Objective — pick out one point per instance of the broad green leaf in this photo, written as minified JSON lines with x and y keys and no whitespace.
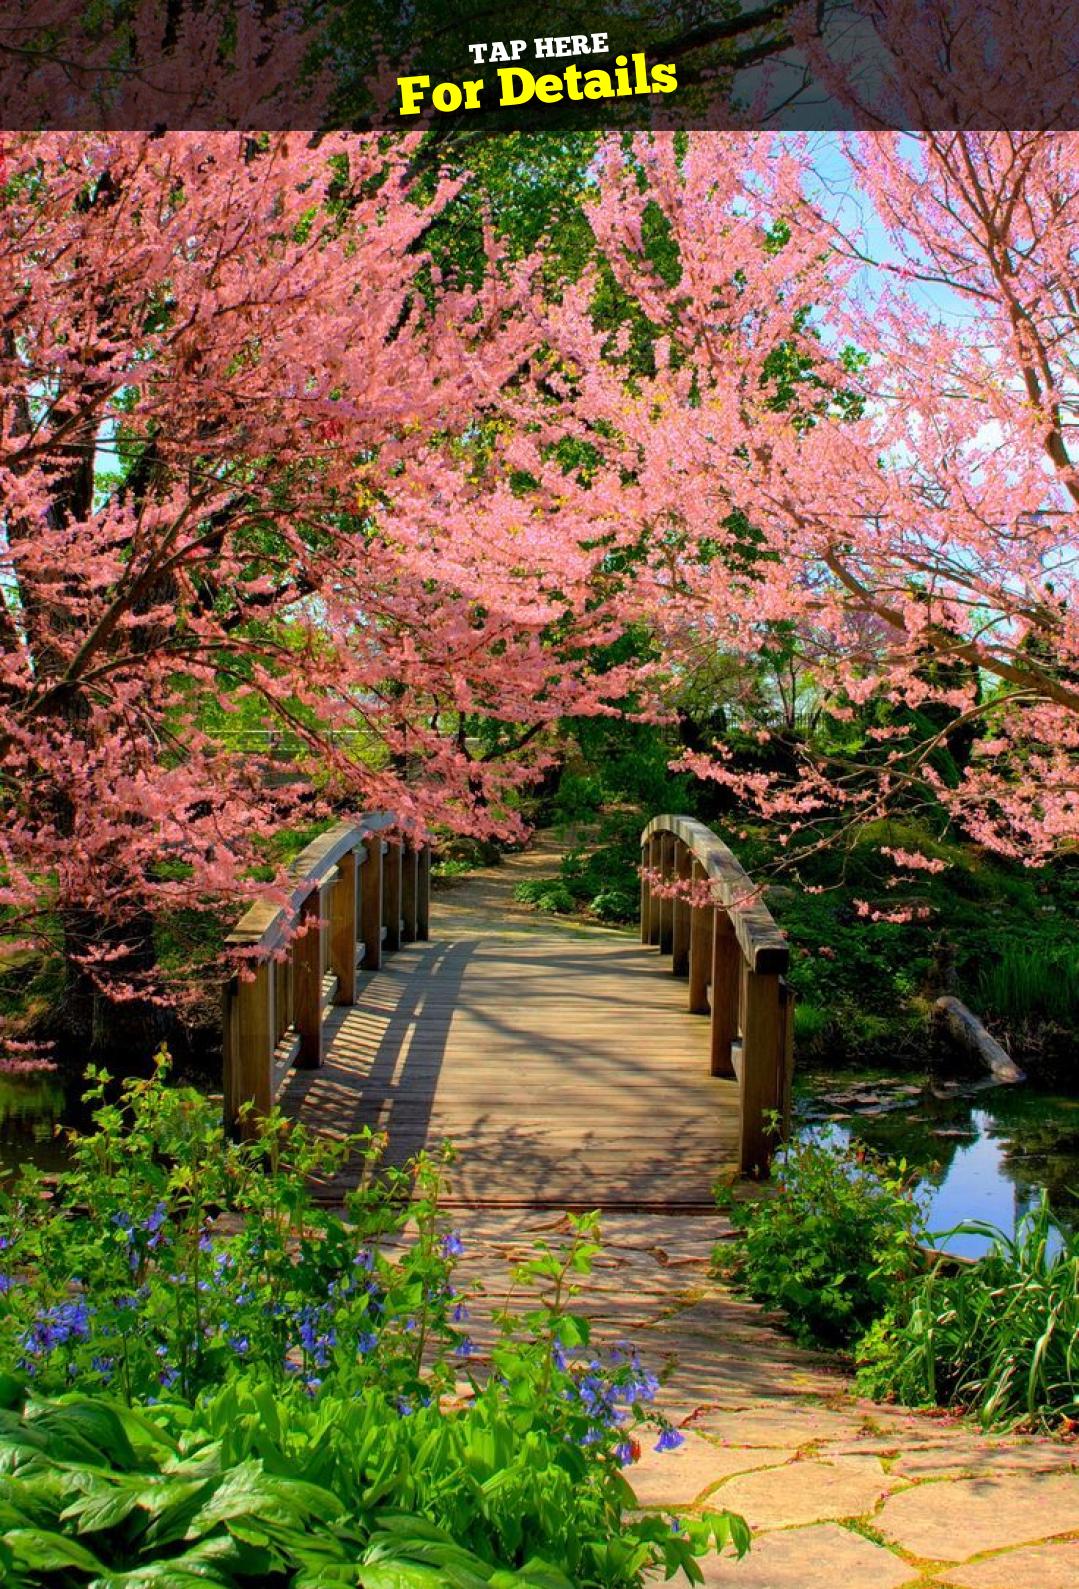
{"x":49,"y":1552}
{"x":102,"y":1508}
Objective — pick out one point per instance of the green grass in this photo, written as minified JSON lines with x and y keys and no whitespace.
{"x":999,"y":1338}
{"x":1031,"y":982}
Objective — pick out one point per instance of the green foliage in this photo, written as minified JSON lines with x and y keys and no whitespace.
{"x":207,"y":1378}
{"x":245,"y":1488}
{"x":452,"y":866}
{"x":999,"y":1337}
{"x":578,"y":799}
{"x":1030,"y":982}
{"x":546,"y":893}
{"x":832,"y":1244}
{"x":616,"y":905}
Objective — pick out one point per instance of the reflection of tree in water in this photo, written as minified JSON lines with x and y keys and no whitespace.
{"x":30,"y":1108}
{"x":1038,"y":1134}
{"x":1042,"y":1150}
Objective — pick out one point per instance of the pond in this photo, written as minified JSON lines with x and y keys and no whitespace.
{"x":31,"y":1108}
{"x":980,"y":1152}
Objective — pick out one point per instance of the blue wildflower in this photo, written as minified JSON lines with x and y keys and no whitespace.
{"x":459,"y":1314}
{"x":558,"y":1356}
{"x":625,"y":1454}
{"x":366,"y":1343}
{"x":364,"y":1259}
{"x":464,"y":1348}
{"x":6,"y":1283}
{"x":643,"y":1388}
{"x":239,"y":1344}
{"x":404,"y":1407}
{"x":56,"y":1326}
{"x":452,"y":1245}
{"x":669,"y":1440}
{"x":206,"y":1243}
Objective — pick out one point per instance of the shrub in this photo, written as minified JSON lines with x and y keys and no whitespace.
{"x":546,"y":893}
{"x":997,"y":1337}
{"x":578,"y":799}
{"x":830,"y":1247}
{"x":451,"y":867}
{"x":615,"y":904}
{"x":209,"y":1379}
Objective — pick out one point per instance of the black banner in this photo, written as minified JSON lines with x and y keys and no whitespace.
{"x":525,"y":65}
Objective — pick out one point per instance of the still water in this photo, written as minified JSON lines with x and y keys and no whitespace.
{"x":979,"y":1153}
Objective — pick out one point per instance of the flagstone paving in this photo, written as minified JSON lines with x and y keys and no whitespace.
{"x":839,"y":1491}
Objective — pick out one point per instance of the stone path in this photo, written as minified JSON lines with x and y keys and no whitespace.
{"x":839,"y":1491}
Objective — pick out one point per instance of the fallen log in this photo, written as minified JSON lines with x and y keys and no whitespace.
{"x":962,"y":1028}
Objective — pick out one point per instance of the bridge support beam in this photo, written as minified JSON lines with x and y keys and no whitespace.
{"x":410,"y":865}
{"x":249,"y":1043}
{"x":683,"y":869}
{"x":307,"y":971}
{"x":726,"y":976}
{"x":666,"y":904}
{"x":700,"y":951}
{"x":344,"y":914}
{"x":423,"y":895}
{"x":763,"y":1062}
{"x":655,"y":864}
{"x":371,"y":902}
{"x":391,"y":895}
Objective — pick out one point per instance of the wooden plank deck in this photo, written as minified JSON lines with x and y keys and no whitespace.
{"x":561,"y":1062}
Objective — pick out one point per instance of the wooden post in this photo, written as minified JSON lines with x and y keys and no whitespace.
{"x":786,"y":1055}
{"x":726,"y":972}
{"x":343,"y":937}
{"x":423,"y":895}
{"x":249,"y":1045}
{"x":307,"y":960}
{"x":391,"y":895}
{"x":680,"y":934}
{"x":666,"y":905}
{"x":371,"y":903}
{"x":410,"y":862}
{"x":655,"y":860}
{"x":763,"y":1045}
{"x":700,"y":950}
{"x":646,"y":892}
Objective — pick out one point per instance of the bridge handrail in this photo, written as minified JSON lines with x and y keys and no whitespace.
{"x":734,"y":956}
{"x":359,"y":890}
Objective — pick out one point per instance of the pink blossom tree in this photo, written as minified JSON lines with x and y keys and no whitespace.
{"x":251,"y":474}
{"x":873,"y":455}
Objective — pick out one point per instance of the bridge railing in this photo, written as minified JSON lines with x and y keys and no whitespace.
{"x":722,"y":937}
{"x":359,"y":893}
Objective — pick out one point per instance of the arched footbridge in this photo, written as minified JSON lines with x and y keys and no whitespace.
{"x":565,"y":1062}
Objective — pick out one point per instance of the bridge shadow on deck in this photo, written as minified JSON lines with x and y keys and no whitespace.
{"x":564,"y":1068}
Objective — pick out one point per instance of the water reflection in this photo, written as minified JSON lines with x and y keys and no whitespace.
{"x":31,"y":1109}
{"x":982,"y":1154}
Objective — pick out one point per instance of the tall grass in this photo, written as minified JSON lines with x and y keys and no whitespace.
{"x":999,"y":1338}
{"x":1027,"y":984}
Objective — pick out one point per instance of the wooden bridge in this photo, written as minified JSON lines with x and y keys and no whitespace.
{"x":565,"y":1062}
